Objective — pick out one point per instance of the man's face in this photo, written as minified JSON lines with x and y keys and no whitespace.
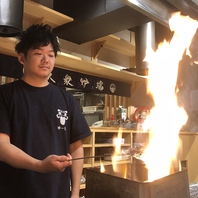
{"x":39,"y":62}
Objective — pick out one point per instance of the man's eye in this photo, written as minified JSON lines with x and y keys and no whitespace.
{"x":51,"y":55}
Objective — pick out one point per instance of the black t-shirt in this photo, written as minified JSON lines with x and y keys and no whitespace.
{"x":40,"y":121}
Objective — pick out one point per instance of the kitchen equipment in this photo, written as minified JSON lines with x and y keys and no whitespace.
{"x":110,"y":184}
{"x":11,"y":17}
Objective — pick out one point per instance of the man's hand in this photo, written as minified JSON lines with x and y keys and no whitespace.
{"x":55,"y":163}
{"x":17,"y":158}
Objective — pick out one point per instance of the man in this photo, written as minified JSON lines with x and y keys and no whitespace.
{"x":41,"y":126}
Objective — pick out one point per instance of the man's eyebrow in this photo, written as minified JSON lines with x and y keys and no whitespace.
{"x":40,"y":48}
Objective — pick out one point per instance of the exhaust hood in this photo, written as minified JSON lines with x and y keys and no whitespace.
{"x":187,"y":7}
{"x":157,"y":10}
{"x":95,"y":19}
{"x":98,"y":18}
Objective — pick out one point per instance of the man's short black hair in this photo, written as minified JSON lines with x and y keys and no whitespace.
{"x":37,"y":36}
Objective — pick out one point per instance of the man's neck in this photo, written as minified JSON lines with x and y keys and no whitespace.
{"x":35,"y":82}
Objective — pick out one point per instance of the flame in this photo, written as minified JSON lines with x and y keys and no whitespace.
{"x":117,"y":146}
{"x":117,"y":141}
{"x":102,"y":168}
{"x":118,"y":155}
{"x":166,"y":118}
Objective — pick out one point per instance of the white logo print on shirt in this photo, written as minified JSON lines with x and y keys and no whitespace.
{"x":62,"y":116}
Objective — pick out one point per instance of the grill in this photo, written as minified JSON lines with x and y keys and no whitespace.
{"x":110,"y":184}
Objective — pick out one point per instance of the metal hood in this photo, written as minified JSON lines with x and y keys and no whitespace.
{"x":187,"y":7}
{"x":98,"y":18}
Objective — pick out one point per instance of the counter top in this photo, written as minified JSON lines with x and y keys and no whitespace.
{"x":135,"y":131}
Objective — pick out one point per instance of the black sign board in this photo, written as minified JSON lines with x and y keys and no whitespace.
{"x":65,"y":78}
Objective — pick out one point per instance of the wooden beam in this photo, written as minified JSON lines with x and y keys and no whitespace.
{"x":34,"y":11}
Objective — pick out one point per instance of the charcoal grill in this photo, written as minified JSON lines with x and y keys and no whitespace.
{"x":115,"y":185}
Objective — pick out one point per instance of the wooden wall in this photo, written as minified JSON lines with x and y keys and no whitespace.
{"x":4,"y":80}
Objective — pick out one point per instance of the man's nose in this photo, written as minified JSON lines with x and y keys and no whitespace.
{"x":44,"y":58}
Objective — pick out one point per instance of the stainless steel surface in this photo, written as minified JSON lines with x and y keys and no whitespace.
{"x":109,"y":184}
{"x":87,"y":157}
{"x":144,"y":39}
{"x":98,"y":18}
{"x":11,"y":17}
{"x":157,"y":10}
{"x":187,"y":7}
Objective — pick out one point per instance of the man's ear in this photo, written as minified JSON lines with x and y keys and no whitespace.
{"x":21,"y":58}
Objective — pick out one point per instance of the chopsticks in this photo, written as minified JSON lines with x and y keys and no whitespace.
{"x":87,"y":157}
{"x":97,"y":156}
{"x":133,"y":153}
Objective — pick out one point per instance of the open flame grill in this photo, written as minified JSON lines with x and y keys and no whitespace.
{"x":110,"y":184}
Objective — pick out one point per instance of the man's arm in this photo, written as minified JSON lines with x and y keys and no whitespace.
{"x":76,"y":150}
{"x":15,"y":157}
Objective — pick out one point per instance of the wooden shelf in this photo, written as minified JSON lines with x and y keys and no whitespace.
{"x":87,"y":166}
{"x":74,"y":63}
{"x":37,"y":13}
{"x":87,"y":145}
{"x":111,"y":129}
{"x":101,"y":132}
{"x":117,"y":44}
{"x":110,"y":145}
{"x":7,"y":46}
{"x":105,"y":163}
{"x":82,"y":186}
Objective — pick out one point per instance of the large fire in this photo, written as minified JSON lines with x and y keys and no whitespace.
{"x":166,"y":118}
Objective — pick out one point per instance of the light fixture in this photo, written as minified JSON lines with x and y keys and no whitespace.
{"x":11,"y":17}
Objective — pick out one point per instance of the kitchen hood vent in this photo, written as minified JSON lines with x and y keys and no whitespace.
{"x":147,"y":36}
{"x":187,"y":7}
{"x":144,"y":39}
{"x":95,"y":19}
{"x":98,"y":18}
